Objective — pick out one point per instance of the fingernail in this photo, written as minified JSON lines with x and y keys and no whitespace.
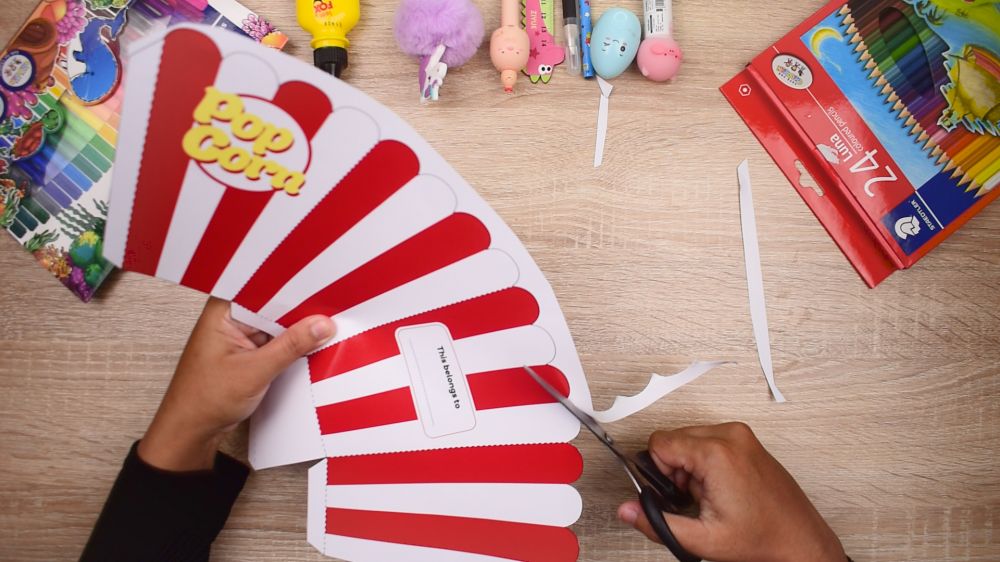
{"x":321,"y":329}
{"x":628,"y":514}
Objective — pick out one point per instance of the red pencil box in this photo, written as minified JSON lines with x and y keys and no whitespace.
{"x":885,"y":116}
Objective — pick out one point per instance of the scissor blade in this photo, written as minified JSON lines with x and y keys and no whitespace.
{"x":586,"y":419}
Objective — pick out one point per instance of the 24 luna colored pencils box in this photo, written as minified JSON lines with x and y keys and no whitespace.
{"x":885,"y":115}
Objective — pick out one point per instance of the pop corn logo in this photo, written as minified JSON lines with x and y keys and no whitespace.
{"x":247,"y":143}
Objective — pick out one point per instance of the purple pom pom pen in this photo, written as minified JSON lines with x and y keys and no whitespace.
{"x":442,"y":34}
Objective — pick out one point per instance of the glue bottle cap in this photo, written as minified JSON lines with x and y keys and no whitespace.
{"x":331,"y":59}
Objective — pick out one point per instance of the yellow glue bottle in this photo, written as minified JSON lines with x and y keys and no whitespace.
{"x":329,"y":22}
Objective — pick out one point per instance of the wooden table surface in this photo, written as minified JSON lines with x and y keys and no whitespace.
{"x":892,"y":424}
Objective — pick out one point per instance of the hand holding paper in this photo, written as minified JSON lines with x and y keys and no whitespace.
{"x":220,"y":380}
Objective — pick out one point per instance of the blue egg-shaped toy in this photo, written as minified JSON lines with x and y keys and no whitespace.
{"x":614,"y":42}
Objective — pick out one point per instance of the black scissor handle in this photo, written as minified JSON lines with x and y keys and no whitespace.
{"x":652,"y":506}
{"x":674,"y":500}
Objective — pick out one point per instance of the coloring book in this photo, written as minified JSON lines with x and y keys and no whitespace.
{"x":885,"y":115}
{"x":60,"y":106}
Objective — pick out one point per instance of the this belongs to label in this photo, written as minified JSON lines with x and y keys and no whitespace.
{"x":438,"y":384}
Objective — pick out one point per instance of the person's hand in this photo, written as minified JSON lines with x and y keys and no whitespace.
{"x":221,"y":378}
{"x":751,"y":508}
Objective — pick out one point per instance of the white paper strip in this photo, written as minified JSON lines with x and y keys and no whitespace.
{"x":362,"y":550}
{"x":602,"y":120}
{"x":538,"y":423}
{"x":755,"y":279}
{"x":658,"y":387}
{"x":557,"y":505}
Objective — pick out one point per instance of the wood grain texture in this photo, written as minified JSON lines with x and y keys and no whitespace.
{"x":892,"y":427}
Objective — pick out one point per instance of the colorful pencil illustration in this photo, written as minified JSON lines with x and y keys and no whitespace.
{"x":926,"y":85}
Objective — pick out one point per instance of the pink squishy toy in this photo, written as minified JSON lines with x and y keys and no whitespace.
{"x":660,"y":56}
{"x":509,"y":45}
{"x":443,"y":34}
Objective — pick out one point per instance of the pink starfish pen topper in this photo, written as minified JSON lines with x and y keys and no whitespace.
{"x":544,"y":54}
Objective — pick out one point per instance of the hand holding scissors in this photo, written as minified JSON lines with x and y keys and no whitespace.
{"x":743,"y":505}
{"x":657,"y":494}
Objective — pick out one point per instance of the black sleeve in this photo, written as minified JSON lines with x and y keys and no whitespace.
{"x":153,"y":515}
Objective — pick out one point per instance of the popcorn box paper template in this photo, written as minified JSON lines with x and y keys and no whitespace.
{"x":259,"y":179}
{"x":223,"y":188}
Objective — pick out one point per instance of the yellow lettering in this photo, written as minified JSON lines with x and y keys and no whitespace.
{"x":247,"y":126}
{"x":290,"y":182}
{"x":273,"y":139}
{"x":206,"y":143}
{"x":234,"y":159}
{"x":217,"y":105}
{"x":256,"y":166}
{"x":196,"y":137}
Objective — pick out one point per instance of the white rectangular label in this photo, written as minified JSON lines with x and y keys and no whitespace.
{"x":657,"y":18}
{"x":440,"y":390}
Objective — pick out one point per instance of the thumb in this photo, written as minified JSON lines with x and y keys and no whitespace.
{"x":690,"y":532}
{"x":297,"y":341}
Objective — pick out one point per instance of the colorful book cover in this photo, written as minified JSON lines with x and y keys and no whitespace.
{"x":59,"y":112}
{"x":885,"y":115}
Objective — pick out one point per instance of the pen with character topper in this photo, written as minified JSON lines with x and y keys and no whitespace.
{"x":544,"y":54}
{"x":615,"y":42}
{"x":509,"y":45}
{"x":659,"y":57}
{"x":443,"y":34}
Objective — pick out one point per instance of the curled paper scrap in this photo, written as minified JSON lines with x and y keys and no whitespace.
{"x":755,"y":279}
{"x":657,"y":387}
{"x":602,"y":120}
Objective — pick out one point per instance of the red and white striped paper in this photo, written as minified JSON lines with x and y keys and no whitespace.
{"x":472,"y":504}
{"x":437,"y":303}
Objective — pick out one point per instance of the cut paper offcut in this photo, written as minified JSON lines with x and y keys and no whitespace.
{"x":755,"y":279}
{"x":261,"y":180}
{"x":658,"y":387}
{"x":602,"y":120}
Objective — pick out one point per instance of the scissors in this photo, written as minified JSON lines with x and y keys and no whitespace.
{"x":656,"y":492}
